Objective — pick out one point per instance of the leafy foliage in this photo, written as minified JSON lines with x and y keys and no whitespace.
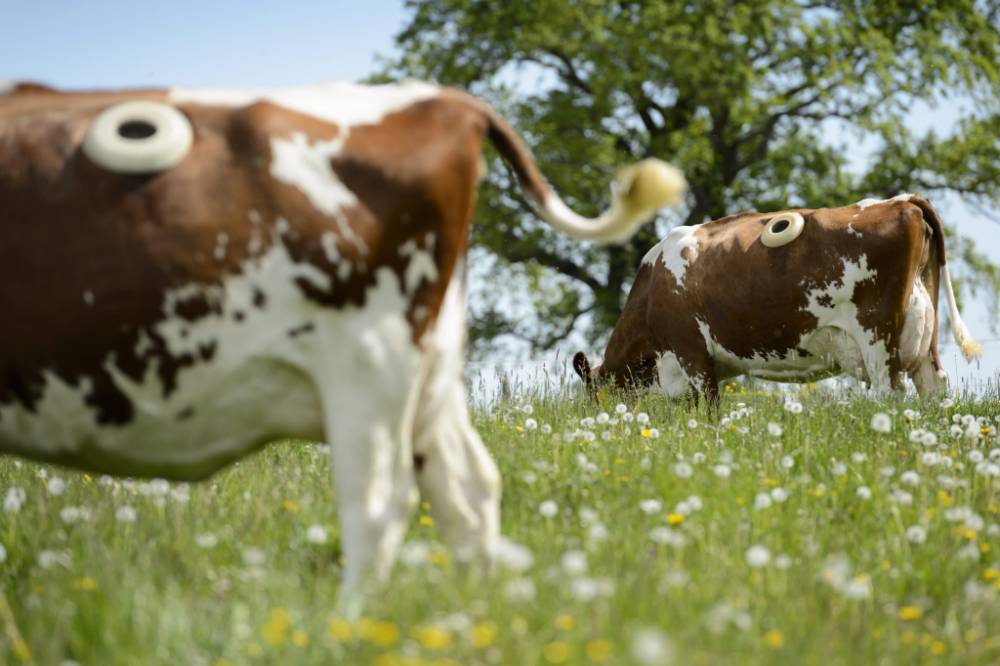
{"x":764,"y":105}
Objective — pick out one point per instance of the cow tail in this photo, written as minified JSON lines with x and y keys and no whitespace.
{"x":970,"y":348}
{"x":638,"y":193}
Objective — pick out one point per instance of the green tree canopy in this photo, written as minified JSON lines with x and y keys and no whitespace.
{"x":764,"y":104}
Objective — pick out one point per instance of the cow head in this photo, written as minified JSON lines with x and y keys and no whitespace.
{"x":589,"y":375}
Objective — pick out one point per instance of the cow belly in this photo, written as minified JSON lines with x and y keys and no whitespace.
{"x":209,"y":421}
{"x":918,"y":327}
{"x":823,"y":352}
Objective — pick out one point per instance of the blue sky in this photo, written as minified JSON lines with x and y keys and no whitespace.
{"x":119,"y":44}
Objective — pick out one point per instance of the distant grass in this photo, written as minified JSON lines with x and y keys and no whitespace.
{"x":146,"y":592}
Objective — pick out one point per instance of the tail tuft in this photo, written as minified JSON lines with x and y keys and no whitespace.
{"x":971,"y":349}
{"x":649,"y":185}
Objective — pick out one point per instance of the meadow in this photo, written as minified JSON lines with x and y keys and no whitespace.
{"x":813,"y":528}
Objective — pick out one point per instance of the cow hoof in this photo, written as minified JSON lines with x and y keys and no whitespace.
{"x":782,"y":229}
{"x":138,"y":137}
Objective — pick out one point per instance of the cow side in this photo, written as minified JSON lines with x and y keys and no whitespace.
{"x":850,"y":290}
{"x":194,"y":273}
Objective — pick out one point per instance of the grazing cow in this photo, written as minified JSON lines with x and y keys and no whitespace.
{"x":186,"y":275}
{"x":790,"y":296}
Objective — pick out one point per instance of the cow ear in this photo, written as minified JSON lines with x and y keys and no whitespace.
{"x":582,"y":366}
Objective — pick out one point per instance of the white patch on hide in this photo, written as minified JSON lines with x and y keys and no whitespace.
{"x":673,"y":379}
{"x":918,"y":326}
{"x":670,"y":249}
{"x":865,"y":203}
{"x":838,"y":343}
{"x":341,"y":103}
{"x":852,"y":231}
{"x":842,"y":313}
{"x":306,"y":164}
{"x":422,"y":265}
{"x":261,"y":381}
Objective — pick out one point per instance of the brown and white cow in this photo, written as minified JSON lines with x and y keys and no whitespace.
{"x":789,"y":296}
{"x":186,"y":275}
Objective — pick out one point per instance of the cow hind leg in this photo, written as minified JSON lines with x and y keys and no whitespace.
{"x":458,"y":477}
{"x":369,"y":428}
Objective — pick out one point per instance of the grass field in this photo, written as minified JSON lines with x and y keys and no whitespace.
{"x":788,"y":532}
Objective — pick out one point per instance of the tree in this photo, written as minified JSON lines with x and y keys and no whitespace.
{"x":764,"y":105}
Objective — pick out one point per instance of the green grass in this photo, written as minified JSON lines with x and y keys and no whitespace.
{"x":843,"y":584}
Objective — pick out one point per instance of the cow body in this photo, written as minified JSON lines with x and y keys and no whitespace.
{"x":855,"y":292}
{"x":291,"y":266}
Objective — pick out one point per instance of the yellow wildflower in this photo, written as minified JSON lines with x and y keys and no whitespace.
{"x":937,"y":648}
{"x":910,"y":613}
{"x":86,"y":583}
{"x":291,"y":506}
{"x":675,"y":519}
{"x":598,"y":650}
{"x":440,"y":559}
{"x":565,"y":622}
{"x":275,"y":630}
{"x":556,"y":652}
{"x":426,"y":521}
{"x":384,"y":634}
{"x":484,"y":634}
{"x":340,"y":630}
{"x":774,"y":639}
{"x":300,"y":638}
{"x":433,"y":638}
{"x":645,"y":432}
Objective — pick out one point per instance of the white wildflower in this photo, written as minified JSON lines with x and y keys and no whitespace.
{"x":863,"y":492}
{"x":125,"y":514}
{"x":757,"y":556}
{"x":779,"y":494}
{"x":254,"y":557}
{"x":513,"y":556}
{"x":916,"y":534}
{"x":415,"y":553}
{"x":722,"y":471}
{"x":316,"y":534}
{"x":56,"y":486}
{"x":651,"y":647}
{"x":683,"y":470}
{"x":14,"y":499}
{"x":762,"y":501}
{"x":519,"y":590}
{"x":881,"y":422}
{"x":793,"y":406}
{"x":650,"y":506}
{"x":530,"y":424}
{"x":574,"y":562}
{"x":206,"y":540}
{"x":548,"y":508}
{"x":774,"y":429}
{"x":665,"y":536}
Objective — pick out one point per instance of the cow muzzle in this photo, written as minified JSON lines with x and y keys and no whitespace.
{"x":138,"y":137}
{"x":782,"y":229}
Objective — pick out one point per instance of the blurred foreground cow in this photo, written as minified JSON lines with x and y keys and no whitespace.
{"x":791,"y":296}
{"x":186,"y":275}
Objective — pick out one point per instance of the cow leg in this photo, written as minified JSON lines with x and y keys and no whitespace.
{"x":929,"y":379}
{"x":457,"y":475}
{"x":369,"y":427}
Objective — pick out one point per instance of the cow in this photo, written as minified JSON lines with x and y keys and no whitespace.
{"x":189,"y":274}
{"x":792,"y":296}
